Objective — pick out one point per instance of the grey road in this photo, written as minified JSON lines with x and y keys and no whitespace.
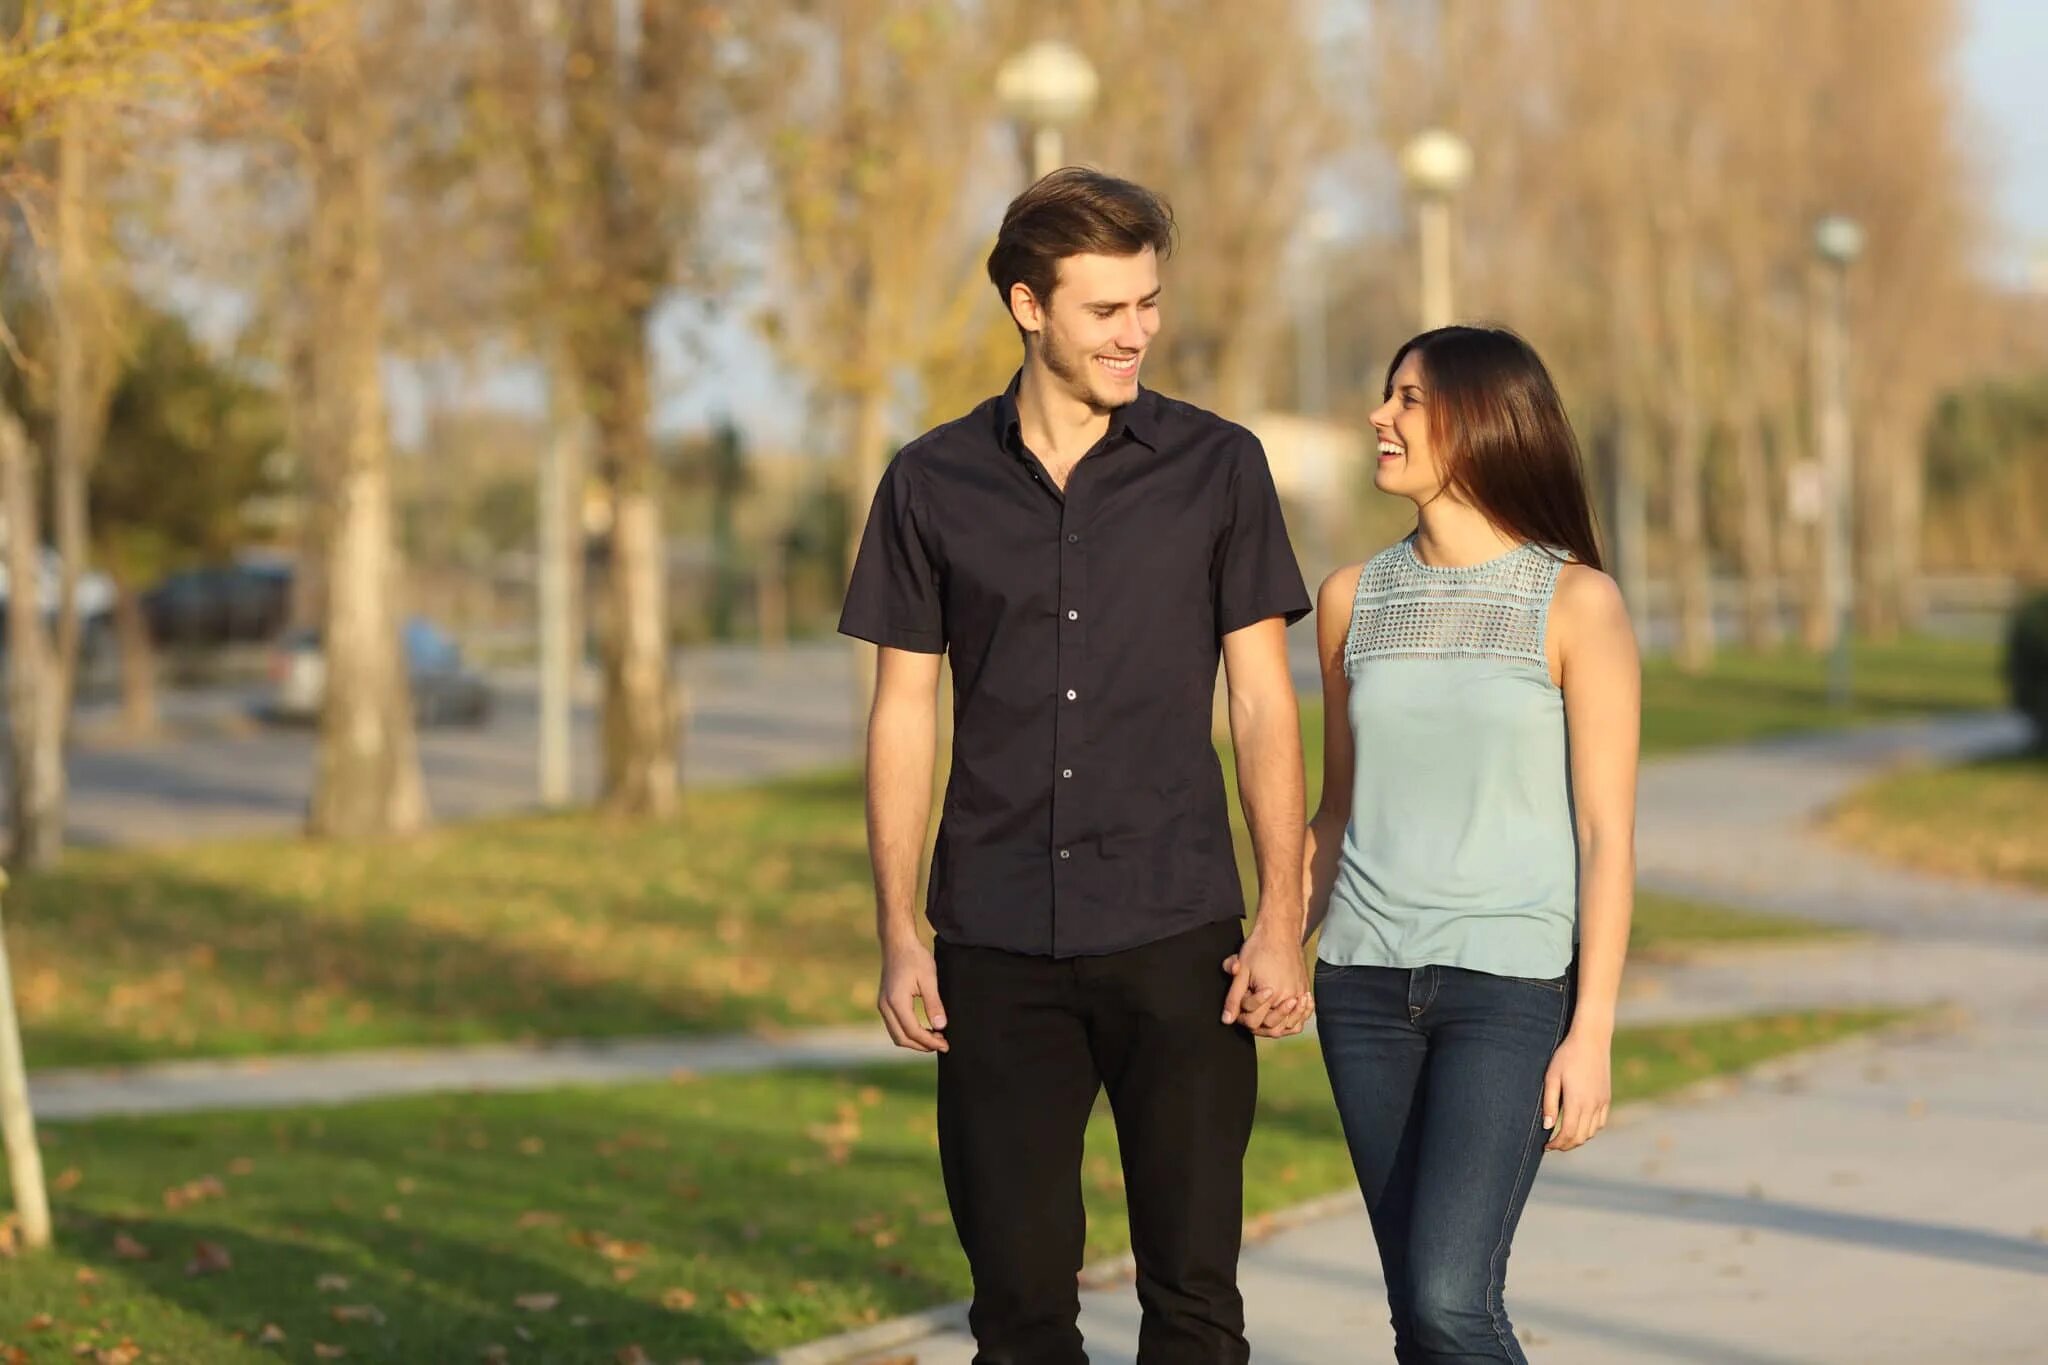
{"x":220,"y":772}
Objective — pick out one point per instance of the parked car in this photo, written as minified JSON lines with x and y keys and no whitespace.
{"x":444,"y":688}
{"x":95,"y":605}
{"x":222,"y":604}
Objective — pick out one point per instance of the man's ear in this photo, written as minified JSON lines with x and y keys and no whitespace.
{"x":1024,"y":309}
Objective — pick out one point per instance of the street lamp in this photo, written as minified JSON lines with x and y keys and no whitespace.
{"x":1045,"y":88}
{"x":1436,"y":165}
{"x":1311,"y":348}
{"x":1837,"y":241}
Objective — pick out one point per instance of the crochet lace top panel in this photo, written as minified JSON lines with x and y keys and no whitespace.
{"x":1499,"y":609}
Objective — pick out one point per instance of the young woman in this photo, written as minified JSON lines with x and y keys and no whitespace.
{"x":1472,"y":863}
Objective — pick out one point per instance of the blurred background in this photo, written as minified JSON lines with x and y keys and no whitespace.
{"x":433,"y":437}
{"x":364,"y":350}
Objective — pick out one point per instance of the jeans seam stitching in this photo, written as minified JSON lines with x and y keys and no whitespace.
{"x":1495,"y":1266}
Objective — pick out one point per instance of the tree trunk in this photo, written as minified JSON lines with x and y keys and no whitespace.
{"x":640,"y":721}
{"x":367,"y":777}
{"x":1909,"y":510}
{"x":1876,"y":453}
{"x":1628,"y":532}
{"x":75,"y":437}
{"x":560,"y":553}
{"x":314,"y":487}
{"x":1690,"y":572}
{"x":771,"y":597}
{"x":17,"y":1120}
{"x":35,"y":709}
{"x":140,"y":718}
{"x":1762,"y":628}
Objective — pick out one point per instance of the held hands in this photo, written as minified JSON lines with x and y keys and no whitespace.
{"x":1576,"y":1091}
{"x":1269,"y":987}
{"x":909,"y":974}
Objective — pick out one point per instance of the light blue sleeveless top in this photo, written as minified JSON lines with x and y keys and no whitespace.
{"x":1461,"y":849}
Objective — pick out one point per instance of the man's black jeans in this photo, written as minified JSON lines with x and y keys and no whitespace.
{"x":1032,"y":1040}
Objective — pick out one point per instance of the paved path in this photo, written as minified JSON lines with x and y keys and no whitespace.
{"x":1883,"y":1200}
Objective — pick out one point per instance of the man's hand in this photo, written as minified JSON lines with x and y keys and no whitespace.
{"x":909,"y":974}
{"x":1269,"y":986}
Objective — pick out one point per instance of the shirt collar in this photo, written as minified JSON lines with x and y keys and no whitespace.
{"x":1138,"y":419}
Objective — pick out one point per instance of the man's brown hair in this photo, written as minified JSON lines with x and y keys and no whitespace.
{"x":1072,"y":212}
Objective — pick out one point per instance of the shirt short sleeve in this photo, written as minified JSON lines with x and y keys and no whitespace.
{"x":1257,"y":573}
{"x":892,"y":598}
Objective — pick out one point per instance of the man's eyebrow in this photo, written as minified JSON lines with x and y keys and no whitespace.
{"x":1118,"y":303}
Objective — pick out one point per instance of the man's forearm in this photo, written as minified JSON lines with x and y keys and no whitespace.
{"x":901,"y":750}
{"x":1269,"y":780}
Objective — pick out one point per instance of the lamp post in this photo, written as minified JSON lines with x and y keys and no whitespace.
{"x":1045,"y":88}
{"x":1837,"y":241}
{"x":1312,"y":343}
{"x":1436,"y":165}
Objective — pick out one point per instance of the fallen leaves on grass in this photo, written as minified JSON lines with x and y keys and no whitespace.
{"x":195,"y":1192}
{"x":357,"y":1312}
{"x":67,"y":1180}
{"x":271,"y":1335}
{"x":208,"y":1258}
{"x":332,"y":1284}
{"x":538,"y":1303}
{"x":678,"y":1300}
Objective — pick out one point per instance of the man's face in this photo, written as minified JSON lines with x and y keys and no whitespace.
{"x":1103,"y":315}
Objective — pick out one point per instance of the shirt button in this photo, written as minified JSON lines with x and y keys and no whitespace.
{"x":1066,"y":772}
{"x":1072,"y":540}
{"x":1070,"y":694}
{"x":1073,"y":616}
{"x":1065,"y":854}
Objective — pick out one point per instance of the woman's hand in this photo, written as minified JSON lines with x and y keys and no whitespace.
{"x":1577,"y":1091}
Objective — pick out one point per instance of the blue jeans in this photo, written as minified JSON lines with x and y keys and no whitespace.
{"x":1438,"y":1074}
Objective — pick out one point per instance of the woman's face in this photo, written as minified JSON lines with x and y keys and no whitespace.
{"x":1407,"y":463}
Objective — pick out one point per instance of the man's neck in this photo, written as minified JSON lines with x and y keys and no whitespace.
{"x":1056,"y":426}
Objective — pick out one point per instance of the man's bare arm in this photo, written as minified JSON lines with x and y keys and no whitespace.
{"x":901,"y":750}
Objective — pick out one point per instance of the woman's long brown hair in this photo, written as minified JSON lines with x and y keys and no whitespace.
{"x":1507,"y":447}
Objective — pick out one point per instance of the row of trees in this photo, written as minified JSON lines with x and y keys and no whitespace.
{"x":1648,"y":181}
{"x":526,"y":186}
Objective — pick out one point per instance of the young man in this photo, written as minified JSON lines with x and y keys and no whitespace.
{"x":1086,"y":548}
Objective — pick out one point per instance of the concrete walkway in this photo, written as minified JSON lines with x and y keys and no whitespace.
{"x":1882,"y":1200}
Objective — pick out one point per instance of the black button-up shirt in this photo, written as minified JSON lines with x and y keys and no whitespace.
{"x":1086,"y":811}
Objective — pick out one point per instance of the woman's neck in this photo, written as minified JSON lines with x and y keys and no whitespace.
{"x":1450,"y":534}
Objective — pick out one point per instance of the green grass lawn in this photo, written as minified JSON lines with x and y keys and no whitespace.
{"x":1749,"y":696}
{"x":750,"y":911}
{"x":715,"y":1218}
{"x":1987,"y":819}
